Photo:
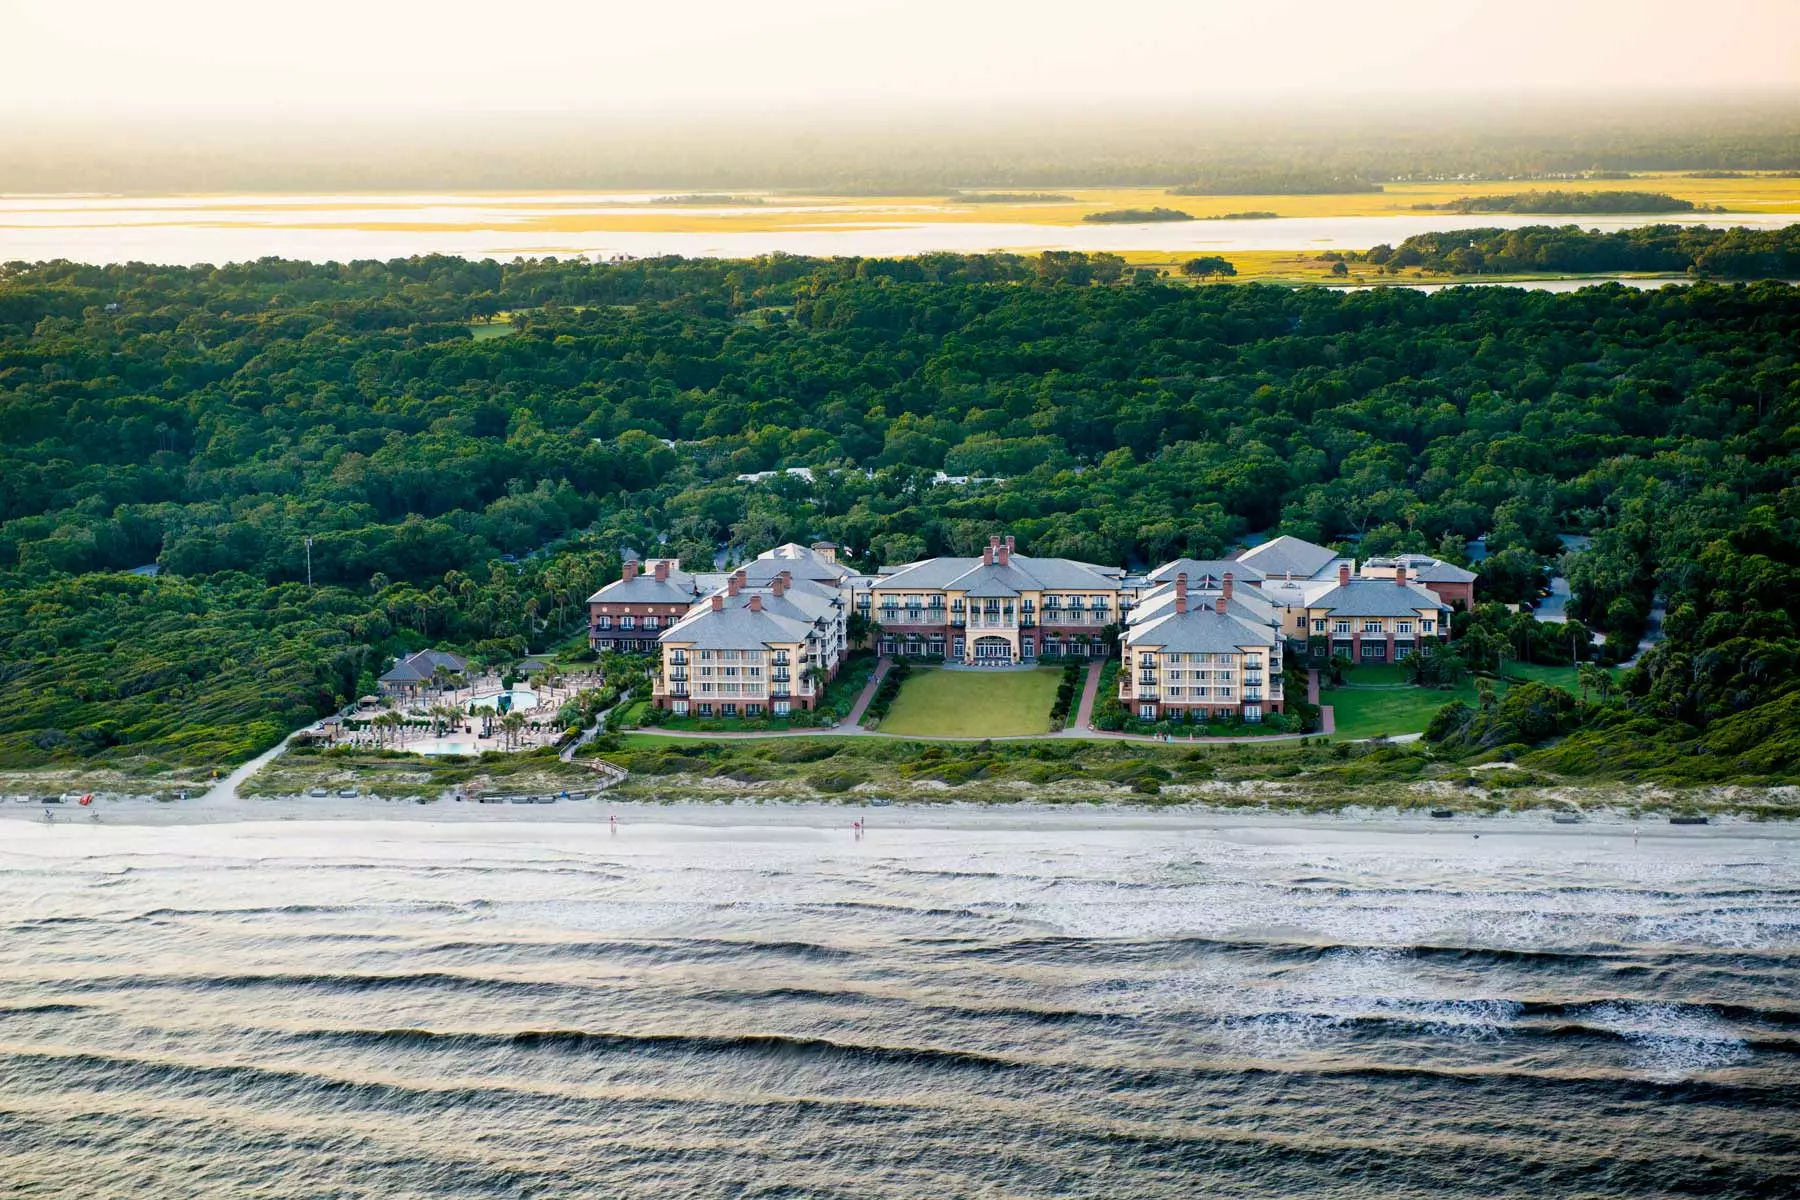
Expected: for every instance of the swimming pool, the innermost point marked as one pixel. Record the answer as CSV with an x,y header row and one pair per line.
x,y
519,699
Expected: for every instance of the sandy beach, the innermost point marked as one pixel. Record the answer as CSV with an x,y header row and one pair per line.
x,y
451,821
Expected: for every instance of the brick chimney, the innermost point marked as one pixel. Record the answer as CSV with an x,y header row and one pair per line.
x,y
787,578
1400,575
756,602
1181,593
1219,604
718,604
631,568
779,584
732,585
1343,574
1004,553
662,571
1227,588
987,557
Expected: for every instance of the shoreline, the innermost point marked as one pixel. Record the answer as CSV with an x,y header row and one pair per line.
x,y
949,813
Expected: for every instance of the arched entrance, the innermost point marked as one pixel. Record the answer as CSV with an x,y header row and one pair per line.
x,y
991,650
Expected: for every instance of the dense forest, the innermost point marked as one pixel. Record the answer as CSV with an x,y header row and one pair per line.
x,y
1554,201
208,420
1736,253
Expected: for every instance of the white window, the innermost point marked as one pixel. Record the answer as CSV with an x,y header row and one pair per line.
x,y
781,708
1404,627
603,622
1371,626
1253,712
1427,626
627,622
1340,627
681,707
1147,712
1319,625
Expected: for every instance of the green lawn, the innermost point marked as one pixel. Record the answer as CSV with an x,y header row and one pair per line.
x,y
1376,675
1375,712
937,703
1562,677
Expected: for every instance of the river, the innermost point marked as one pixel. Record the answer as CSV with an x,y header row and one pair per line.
x,y
219,229
748,1003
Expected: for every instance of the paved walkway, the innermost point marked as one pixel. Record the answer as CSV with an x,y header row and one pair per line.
x,y
1090,691
867,696
1327,719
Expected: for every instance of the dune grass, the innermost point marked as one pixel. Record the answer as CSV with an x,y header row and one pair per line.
x,y
939,703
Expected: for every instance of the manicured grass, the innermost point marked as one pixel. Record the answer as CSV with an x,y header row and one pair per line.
x,y
1376,675
1562,677
938,703
1377,712
498,329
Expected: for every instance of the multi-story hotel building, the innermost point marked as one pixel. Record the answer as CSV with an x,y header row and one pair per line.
x,y
1200,637
999,609
629,614
1213,655
764,641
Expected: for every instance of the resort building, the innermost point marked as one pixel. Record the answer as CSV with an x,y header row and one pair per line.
x,y
630,613
421,671
1371,620
1453,585
1000,609
1201,638
1187,657
752,650
1294,560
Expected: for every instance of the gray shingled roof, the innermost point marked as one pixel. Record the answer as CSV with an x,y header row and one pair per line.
x,y
1199,631
1021,574
736,629
1426,569
1245,604
1376,598
679,588
419,666
1205,568
1287,554
801,560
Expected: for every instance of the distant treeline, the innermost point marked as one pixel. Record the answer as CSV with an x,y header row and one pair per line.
x,y
1007,197
1211,150
1569,202
1273,182
1724,253
708,198
1135,216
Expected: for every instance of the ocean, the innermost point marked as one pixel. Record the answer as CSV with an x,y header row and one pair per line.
x,y
774,1005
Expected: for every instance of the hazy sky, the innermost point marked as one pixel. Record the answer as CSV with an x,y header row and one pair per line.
x,y
391,56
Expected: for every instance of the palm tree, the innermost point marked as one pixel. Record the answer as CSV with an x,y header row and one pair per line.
x,y
487,713
1585,674
513,722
